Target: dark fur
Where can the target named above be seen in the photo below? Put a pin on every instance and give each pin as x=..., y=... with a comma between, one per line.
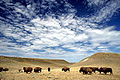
x=65, y=69
x=105, y=70
x=37, y=69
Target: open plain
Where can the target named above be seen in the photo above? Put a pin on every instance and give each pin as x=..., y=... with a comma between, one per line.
x=97, y=60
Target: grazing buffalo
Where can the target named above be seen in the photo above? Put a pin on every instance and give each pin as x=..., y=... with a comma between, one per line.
x=37, y=69
x=94, y=69
x=27, y=69
x=5, y=69
x=105, y=70
x=65, y=69
x=82, y=69
x=48, y=69
x=1, y=69
x=85, y=70
x=20, y=70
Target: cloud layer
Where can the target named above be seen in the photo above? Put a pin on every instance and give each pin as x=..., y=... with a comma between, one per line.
x=36, y=30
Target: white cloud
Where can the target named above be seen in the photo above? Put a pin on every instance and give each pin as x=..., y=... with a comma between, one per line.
x=103, y=35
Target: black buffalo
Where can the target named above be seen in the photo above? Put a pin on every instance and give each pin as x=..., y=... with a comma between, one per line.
x=5, y=69
x=48, y=69
x=105, y=70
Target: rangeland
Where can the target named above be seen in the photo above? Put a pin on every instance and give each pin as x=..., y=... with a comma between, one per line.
x=111, y=60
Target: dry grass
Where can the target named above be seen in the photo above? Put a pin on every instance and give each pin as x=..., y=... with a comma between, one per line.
x=108, y=60
x=57, y=74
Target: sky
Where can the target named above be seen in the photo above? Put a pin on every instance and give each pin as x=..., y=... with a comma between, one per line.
x=59, y=29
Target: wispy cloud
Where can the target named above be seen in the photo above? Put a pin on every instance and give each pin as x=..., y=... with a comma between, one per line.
x=107, y=10
x=96, y=2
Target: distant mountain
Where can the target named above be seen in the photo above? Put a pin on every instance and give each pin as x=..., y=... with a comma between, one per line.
x=100, y=59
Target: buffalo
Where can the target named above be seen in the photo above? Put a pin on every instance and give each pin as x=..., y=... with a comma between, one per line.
x=37, y=69
x=94, y=69
x=82, y=69
x=48, y=69
x=20, y=70
x=27, y=69
x=105, y=70
x=1, y=69
x=5, y=69
x=85, y=70
x=65, y=69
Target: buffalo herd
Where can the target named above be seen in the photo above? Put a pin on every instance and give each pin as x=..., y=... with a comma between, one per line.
x=89, y=70
x=84, y=70
x=3, y=69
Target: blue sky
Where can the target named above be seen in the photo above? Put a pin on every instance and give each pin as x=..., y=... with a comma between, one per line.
x=59, y=29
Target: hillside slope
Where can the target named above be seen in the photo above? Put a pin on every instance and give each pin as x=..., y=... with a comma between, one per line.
x=100, y=59
x=16, y=62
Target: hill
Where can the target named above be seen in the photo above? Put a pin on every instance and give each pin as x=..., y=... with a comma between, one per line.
x=100, y=59
x=16, y=62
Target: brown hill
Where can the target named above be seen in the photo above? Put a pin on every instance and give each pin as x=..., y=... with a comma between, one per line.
x=16, y=62
x=100, y=59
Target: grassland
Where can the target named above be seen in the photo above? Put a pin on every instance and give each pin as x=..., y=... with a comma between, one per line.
x=100, y=59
